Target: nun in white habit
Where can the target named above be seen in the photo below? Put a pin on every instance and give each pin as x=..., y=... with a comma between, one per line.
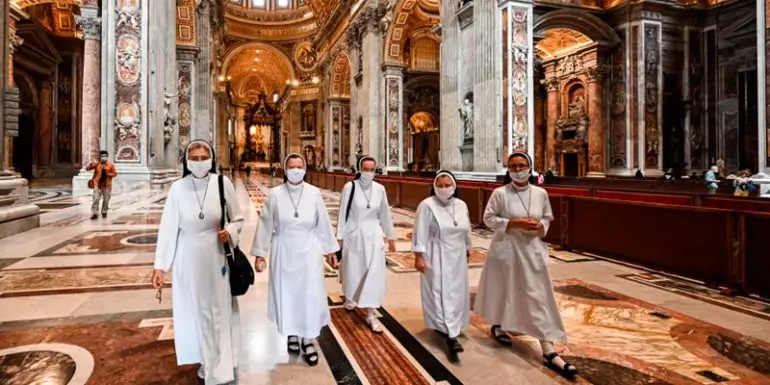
x=441, y=242
x=294, y=226
x=515, y=292
x=206, y=318
x=360, y=236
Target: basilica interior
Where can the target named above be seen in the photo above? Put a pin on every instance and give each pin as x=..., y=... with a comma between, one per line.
x=626, y=108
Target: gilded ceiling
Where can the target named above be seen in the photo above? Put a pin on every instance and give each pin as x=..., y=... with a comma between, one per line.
x=409, y=14
x=560, y=41
x=28, y=3
x=257, y=68
x=297, y=21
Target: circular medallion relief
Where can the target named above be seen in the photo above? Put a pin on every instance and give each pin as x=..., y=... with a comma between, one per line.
x=305, y=56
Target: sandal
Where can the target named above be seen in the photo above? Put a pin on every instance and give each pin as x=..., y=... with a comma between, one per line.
x=568, y=371
x=374, y=323
x=311, y=358
x=503, y=338
x=292, y=345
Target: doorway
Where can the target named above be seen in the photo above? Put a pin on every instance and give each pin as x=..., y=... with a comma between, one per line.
x=673, y=123
x=23, y=145
x=571, y=168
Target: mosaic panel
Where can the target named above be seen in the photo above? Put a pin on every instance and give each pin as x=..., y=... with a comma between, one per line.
x=651, y=95
x=128, y=64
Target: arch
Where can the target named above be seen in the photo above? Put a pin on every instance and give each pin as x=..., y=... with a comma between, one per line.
x=423, y=121
x=587, y=24
x=394, y=40
x=25, y=81
x=272, y=74
x=21, y=4
x=340, y=75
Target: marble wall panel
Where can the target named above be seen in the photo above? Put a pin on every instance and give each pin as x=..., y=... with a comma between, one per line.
x=695, y=74
x=618, y=110
x=184, y=82
x=128, y=76
x=652, y=87
x=520, y=84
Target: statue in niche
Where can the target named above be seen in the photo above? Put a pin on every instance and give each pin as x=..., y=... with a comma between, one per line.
x=169, y=120
x=309, y=115
x=466, y=113
x=577, y=107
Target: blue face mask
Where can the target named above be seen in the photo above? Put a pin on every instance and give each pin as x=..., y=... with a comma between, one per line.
x=295, y=175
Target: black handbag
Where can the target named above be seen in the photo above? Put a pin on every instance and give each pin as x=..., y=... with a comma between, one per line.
x=241, y=272
x=347, y=214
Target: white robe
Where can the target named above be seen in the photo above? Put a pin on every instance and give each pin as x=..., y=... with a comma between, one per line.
x=206, y=318
x=297, y=301
x=515, y=288
x=363, y=250
x=444, y=285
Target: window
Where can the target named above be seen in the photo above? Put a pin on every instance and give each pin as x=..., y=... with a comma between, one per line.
x=282, y=3
x=258, y=3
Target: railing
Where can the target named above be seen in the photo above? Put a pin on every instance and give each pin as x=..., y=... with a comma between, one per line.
x=719, y=240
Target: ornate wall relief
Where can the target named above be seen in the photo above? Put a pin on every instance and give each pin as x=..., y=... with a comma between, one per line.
x=393, y=120
x=618, y=112
x=651, y=95
x=506, y=83
x=184, y=82
x=635, y=107
x=336, y=134
x=128, y=60
x=695, y=70
x=519, y=77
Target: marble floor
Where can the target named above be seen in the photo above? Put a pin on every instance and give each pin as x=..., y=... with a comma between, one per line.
x=76, y=307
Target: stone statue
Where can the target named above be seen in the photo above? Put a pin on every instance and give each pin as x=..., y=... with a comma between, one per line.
x=466, y=113
x=169, y=120
x=577, y=108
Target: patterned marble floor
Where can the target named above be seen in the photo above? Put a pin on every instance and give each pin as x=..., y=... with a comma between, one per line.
x=76, y=308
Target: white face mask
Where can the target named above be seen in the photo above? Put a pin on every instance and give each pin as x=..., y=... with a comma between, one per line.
x=445, y=193
x=519, y=176
x=295, y=175
x=199, y=168
x=367, y=177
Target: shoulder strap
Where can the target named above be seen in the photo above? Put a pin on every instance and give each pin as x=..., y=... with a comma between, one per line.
x=350, y=200
x=222, y=201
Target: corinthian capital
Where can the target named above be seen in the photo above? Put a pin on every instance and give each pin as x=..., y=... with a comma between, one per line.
x=596, y=74
x=14, y=41
x=91, y=26
x=551, y=83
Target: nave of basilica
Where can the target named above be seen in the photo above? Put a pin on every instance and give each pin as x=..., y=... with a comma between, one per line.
x=644, y=121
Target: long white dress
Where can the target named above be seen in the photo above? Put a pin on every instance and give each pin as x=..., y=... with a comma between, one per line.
x=363, y=250
x=444, y=285
x=515, y=288
x=297, y=301
x=206, y=318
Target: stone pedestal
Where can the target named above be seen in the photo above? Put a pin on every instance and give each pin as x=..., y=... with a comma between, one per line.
x=466, y=151
x=17, y=215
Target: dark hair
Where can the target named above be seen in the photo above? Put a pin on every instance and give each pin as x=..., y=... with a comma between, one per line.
x=448, y=173
x=103, y=152
x=285, y=165
x=199, y=144
x=507, y=178
x=361, y=163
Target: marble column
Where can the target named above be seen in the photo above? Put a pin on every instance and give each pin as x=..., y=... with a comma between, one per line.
x=394, y=125
x=371, y=103
x=90, y=107
x=202, y=94
x=487, y=135
x=552, y=115
x=596, y=120
x=518, y=109
x=354, y=47
x=651, y=134
x=451, y=136
x=11, y=93
x=45, y=127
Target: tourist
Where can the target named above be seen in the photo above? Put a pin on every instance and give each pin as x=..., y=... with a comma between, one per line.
x=711, y=179
x=295, y=227
x=206, y=318
x=515, y=293
x=101, y=183
x=441, y=242
x=364, y=214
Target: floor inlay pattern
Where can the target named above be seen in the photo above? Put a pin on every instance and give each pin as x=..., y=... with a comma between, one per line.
x=57, y=281
x=103, y=242
x=754, y=307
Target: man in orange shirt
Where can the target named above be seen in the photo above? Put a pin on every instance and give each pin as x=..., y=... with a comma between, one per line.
x=101, y=183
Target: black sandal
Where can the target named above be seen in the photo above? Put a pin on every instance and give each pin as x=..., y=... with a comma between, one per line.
x=292, y=345
x=310, y=358
x=569, y=371
x=503, y=338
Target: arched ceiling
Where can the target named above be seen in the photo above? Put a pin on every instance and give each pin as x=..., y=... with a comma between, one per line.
x=409, y=14
x=27, y=3
x=247, y=20
x=560, y=41
x=256, y=68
